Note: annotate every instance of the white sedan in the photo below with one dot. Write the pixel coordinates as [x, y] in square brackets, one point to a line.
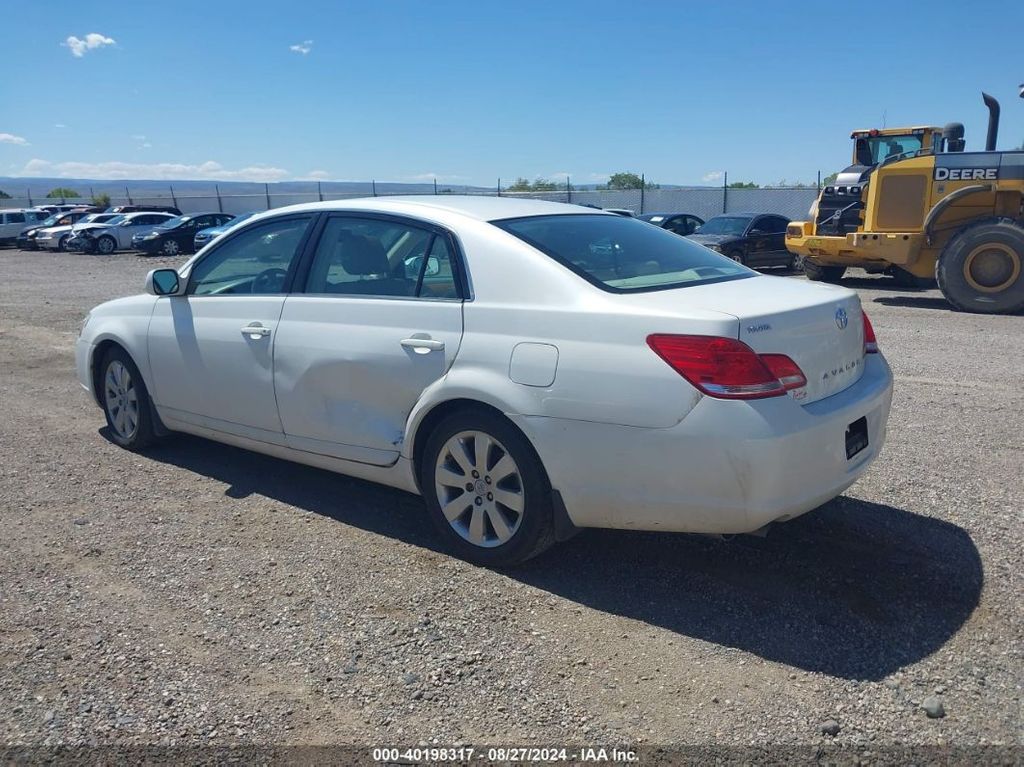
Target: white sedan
[529, 368]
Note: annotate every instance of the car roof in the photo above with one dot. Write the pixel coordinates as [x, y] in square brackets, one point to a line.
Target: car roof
[479, 207]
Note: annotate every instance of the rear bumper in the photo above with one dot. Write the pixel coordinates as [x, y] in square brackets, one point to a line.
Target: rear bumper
[728, 467]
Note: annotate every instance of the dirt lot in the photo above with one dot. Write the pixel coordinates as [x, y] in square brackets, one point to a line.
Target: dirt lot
[200, 594]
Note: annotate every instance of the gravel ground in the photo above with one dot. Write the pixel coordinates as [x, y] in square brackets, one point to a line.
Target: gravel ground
[200, 594]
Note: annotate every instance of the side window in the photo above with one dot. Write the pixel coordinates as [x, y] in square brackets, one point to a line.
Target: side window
[681, 225]
[773, 224]
[372, 257]
[15, 218]
[256, 260]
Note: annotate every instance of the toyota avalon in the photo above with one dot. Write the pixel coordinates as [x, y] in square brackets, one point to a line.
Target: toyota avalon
[529, 368]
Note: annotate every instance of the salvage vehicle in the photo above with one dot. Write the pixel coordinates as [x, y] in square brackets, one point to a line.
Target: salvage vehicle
[752, 239]
[528, 367]
[13, 222]
[680, 223]
[916, 205]
[57, 237]
[26, 239]
[117, 233]
[177, 235]
[205, 236]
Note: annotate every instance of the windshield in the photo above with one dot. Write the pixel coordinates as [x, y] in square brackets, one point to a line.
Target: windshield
[51, 220]
[884, 147]
[173, 222]
[736, 225]
[115, 220]
[622, 254]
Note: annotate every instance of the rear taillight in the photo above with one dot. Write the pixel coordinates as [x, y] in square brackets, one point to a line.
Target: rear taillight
[786, 372]
[870, 342]
[727, 368]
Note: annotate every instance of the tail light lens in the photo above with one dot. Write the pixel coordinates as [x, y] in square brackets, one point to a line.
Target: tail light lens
[870, 342]
[727, 368]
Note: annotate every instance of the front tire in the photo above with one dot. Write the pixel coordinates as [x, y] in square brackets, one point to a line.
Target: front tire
[125, 401]
[170, 248]
[820, 273]
[62, 244]
[737, 256]
[486, 490]
[979, 270]
[106, 245]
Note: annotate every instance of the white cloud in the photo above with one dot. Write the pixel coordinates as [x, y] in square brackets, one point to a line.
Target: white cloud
[715, 175]
[152, 171]
[10, 138]
[79, 47]
[145, 145]
[304, 47]
[60, 125]
[425, 177]
[138, 137]
[317, 175]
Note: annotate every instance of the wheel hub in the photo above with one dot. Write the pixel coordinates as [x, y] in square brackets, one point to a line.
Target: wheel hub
[992, 267]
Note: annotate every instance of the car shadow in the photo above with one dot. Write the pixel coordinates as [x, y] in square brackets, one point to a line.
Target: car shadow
[882, 282]
[855, 589]
[915, 302]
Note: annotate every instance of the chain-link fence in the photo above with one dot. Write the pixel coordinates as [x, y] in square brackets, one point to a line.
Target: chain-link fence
[705, 202]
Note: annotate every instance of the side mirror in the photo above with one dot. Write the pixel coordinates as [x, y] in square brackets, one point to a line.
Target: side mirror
[164, 282]
[414, 264]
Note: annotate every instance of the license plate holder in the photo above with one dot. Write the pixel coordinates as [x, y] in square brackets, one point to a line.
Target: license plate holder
[856, 437]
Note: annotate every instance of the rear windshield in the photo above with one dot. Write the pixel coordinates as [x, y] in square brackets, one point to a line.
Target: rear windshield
[621, 254]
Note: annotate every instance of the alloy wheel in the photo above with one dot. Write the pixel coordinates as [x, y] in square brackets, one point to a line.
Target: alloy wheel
[121, 400]
[106, 245]
[171, 248]
[479, 488]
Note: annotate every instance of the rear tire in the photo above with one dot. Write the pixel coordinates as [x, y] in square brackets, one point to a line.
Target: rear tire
[980, 269]
[62, 244]
[125, 401]
[737, 256]
[820, 273]
[493, 508]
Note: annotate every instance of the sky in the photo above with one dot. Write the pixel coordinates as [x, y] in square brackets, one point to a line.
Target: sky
[470, 92]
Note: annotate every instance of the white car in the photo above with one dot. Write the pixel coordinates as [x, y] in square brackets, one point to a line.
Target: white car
[14, 222]
[529, 367]
[57, 237]
[117, 233]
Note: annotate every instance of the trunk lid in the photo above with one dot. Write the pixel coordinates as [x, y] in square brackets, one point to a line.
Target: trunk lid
[818, 326]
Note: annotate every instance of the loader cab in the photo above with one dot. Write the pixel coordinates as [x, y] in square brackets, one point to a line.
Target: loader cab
[875, 146]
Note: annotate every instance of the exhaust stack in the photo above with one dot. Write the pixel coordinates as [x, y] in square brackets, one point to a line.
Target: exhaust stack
[993, 121]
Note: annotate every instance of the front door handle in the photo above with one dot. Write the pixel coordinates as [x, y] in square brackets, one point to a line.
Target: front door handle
[255, 330]
[423, 345]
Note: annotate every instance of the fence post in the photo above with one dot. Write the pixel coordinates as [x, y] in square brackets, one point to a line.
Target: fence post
[28, 193]
[643, 186]
[128, 194]
[174, 200]
[319, 191]
[725, 191]
[499, 186]
[819, 180]
[568, 190]
[220, 203]
[373, 185]
[435, 184]
[266, 189]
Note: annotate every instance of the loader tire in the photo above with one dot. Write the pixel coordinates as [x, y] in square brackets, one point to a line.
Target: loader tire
[820, 273]
[980, 269]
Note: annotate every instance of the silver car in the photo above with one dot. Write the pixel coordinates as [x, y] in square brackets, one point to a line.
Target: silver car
[117, 233]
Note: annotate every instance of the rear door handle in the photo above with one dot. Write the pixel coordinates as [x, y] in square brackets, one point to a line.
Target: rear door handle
[423, 345]
[255, 330]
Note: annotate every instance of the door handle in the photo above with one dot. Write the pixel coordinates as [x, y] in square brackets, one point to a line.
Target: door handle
[423, 345]
[255, 330]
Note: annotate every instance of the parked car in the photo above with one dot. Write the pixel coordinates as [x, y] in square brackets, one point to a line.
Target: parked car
[680, 223]
[13, 221]
[70, 206]
[652, 384]
[177, 235]
[204, 236]
[143, 209]
[57, 237]
[752, 239]
[117, 233]
[26, 239]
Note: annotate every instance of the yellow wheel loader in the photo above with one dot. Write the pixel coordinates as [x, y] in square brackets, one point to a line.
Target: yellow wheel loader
[914, 204]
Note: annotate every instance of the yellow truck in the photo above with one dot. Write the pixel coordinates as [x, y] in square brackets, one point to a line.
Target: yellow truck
[916, 205]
